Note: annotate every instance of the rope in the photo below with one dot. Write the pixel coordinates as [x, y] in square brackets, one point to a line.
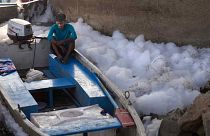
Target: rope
[34, 55]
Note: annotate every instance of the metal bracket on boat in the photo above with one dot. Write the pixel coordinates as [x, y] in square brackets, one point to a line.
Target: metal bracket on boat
[21, 113]
[127, 94]
[24, 42]
[19, 109]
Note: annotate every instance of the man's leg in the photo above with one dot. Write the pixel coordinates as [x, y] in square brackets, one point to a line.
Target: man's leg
[70, 50]
[56, 51]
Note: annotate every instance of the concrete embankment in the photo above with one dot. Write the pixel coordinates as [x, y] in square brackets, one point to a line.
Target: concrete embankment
[182, 22]
[7, 11]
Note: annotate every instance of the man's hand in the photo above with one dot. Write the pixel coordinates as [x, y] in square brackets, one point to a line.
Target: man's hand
[62, 42]
[66, 41]
[54, 42]
[58, 43]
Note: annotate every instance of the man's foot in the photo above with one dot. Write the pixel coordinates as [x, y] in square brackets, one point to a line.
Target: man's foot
[64, 61]
[59, 58]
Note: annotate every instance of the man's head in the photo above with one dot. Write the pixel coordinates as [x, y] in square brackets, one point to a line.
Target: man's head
[60, 20]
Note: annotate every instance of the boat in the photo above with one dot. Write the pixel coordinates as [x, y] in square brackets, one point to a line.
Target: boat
[98, 107]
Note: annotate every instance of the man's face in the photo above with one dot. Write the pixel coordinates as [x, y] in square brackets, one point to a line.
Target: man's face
[60, 24]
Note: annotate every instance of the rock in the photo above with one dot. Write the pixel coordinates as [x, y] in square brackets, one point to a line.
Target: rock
[175, 114]
[206, 88]
[169, 125]
[169, 128]
[191, 121]
[206, 122]
[195, 121]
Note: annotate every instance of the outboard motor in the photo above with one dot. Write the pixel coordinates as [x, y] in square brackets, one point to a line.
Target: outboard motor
[20, 31]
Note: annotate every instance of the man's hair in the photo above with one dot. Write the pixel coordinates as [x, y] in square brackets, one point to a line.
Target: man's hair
[60, 17]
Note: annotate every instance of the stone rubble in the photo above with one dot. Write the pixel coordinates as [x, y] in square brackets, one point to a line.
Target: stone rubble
[195, 121]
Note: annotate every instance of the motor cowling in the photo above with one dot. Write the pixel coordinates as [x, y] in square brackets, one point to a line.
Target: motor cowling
[19, 30]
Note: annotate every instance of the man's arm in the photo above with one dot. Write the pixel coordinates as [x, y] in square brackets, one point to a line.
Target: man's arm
[73, 35]
[68, 40]
[50, 34]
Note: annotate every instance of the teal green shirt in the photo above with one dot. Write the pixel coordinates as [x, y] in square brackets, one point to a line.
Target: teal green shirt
[58, 34]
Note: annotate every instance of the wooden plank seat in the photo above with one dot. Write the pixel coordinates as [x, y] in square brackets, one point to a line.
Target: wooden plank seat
[15, 93]
[58, 83]
[50, 85]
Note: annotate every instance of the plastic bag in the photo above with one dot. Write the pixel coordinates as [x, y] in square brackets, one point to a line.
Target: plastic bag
[33, 75]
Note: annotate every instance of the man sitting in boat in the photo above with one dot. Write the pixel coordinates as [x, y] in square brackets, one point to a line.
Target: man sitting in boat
[62, 37]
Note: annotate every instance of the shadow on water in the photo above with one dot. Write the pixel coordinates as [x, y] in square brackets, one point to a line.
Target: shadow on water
[4, 131]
